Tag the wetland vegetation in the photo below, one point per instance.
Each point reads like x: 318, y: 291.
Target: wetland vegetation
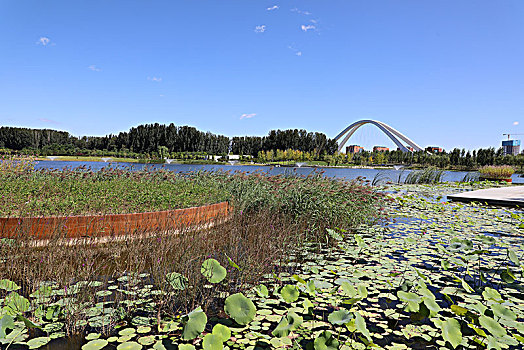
x: 303, y: 262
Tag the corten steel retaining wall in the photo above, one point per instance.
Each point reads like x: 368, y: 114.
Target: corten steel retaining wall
x: 111, y: 224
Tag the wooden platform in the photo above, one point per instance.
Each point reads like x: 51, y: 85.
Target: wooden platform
x: 505, y: 196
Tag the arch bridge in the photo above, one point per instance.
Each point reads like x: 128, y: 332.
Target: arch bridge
x: 393, y: 134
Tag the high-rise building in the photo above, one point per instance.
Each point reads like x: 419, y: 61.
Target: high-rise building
x: 511, y: 147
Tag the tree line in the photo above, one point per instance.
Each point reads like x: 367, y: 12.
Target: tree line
x: 159, y: 140
x: 455, y: 159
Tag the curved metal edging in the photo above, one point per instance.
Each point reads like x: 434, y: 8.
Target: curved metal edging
x: 111, y: 224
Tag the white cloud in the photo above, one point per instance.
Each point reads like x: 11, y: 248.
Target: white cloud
x: 260, y: 29
x: 50, y: 121
x: 295, y: 50
x: 300, y: 11
x: 155, y: 79
x: 94, y: 68
x: 273, y: 8
x: 515, y: 123
x: 247, y: 116
x: 308, y: 27
x: 43, y: 41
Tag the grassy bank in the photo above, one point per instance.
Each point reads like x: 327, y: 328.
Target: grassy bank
x: 81, y: 192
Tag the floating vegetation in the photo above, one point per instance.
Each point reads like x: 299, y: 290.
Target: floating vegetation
x: 442, y: 275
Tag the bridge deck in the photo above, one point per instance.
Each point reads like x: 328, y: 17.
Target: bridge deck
x: 506, y: 196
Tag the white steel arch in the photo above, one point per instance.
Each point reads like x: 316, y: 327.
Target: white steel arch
x: 393, y: 134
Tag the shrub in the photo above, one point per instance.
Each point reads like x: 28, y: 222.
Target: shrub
x: 496, y: 172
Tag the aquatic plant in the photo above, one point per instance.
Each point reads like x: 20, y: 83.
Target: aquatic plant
x: 425, y: 176
x: 496, y: 172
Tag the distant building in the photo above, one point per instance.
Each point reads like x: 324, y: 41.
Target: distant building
x: 434, y: 149
x: 408, y: 147
x: 380, y: 149
x: 354, y: 149
x: 511, y: 147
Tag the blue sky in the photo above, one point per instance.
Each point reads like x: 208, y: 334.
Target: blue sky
x: 446, y: 73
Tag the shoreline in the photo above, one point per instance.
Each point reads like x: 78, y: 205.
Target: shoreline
x: 138, y: 161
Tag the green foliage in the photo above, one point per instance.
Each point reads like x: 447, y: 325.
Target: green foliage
x: 212, y: 342
x: 110, y: 190
x: 496, y: 172
x: 451, y: 331
x: 95, y: 344
x: 289, y: 293
x: 213, y: 271
x: 287, y: 324
x: 240, y: 308
x: 425, y: 176
x: 326, y: 341
x: 8, y: 285
x: 340, y: 317
x: 222, y: 331
x: 176, y: 280
x: 194, y: 324
x: 6, y: 322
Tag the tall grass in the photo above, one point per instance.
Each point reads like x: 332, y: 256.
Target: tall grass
x: 81, y: 191
x: 259, y: 244
x: 272, y: 217
x: 320, y: 201
x: 496, y: 172
x: 13, y: 164
x: 425, y: 176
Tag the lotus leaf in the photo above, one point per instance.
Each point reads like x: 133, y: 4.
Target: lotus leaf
x: 289, y: 293
x: 288, y: 323
x: 326, y: 341
x: 147, y: 340
x: 213, y: 271
x: 491, y: 294
x: 129, y: 345
x: 16, y: 304
x: 92, y: 336
x: 95, y: 344
x: 459, y: 310
x: 262, y: 291
x: 194, y: 324
x: 507, y: 276
x: 451, y: 332
x: 223, y: 331
x: 6, y: 322
x: 176, y: 280
x: 127, y: 331
x: 240, y: 308
x: 8, y: 285
x: 360, y: 325
x: 340, y: 317
x: 184, y: 347
x: 492, y: 326
x: 412, y: 300
x: 511, y: 254
x: 212, y: 342
x: 233, y: 264
x: 503, y: 312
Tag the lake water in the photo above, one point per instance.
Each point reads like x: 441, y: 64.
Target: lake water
x: 347, y: 173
